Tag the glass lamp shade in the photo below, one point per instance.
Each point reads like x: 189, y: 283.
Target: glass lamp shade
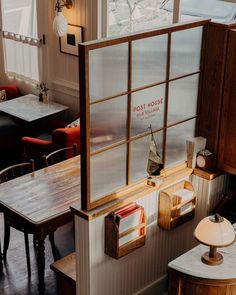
x: 60, y: 25
x: 214, y: 231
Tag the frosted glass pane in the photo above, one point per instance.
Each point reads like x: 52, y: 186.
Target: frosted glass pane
x: 108, y: 71
x: 182, y: 103
x: 176, y: 141
x: 185, y: 52
x: 147, y: 108
x: 108, y: 172
x: 108, y: 122
x: 149, y: 61
x: 139, y: 155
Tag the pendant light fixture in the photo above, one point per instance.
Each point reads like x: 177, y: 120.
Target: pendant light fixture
x: 60, y: 22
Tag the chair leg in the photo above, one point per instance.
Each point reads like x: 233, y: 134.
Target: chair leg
x: 27, y: 253
x: 6, y: 238
x: 34, y: 241
x: 1, y: 257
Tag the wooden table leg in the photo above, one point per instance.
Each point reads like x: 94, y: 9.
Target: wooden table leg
x: 1, y: 257
x: 40, y: 250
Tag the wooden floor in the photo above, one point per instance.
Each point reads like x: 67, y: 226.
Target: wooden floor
x: 14, y: 279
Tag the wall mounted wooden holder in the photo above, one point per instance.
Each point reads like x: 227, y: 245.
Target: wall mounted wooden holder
x: 171, y: 211
x: 112, y: 237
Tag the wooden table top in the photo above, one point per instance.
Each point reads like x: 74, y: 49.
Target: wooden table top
x: 44, y: 194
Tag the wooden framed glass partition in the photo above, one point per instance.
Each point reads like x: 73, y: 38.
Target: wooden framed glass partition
x: 126, y: 84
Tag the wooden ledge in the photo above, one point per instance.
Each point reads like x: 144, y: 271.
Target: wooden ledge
x: 134, y: 192
x: 209, y: 175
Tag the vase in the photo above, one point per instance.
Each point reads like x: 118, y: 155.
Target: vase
x: 45, y: 98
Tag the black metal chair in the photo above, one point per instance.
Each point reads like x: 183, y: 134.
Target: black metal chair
x: 60, y: 155
x: 7, y: 174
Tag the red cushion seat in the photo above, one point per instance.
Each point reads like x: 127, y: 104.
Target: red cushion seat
x: 35, y: 148
x: 12, y: 91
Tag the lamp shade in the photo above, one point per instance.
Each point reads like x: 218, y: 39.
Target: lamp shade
x: 215, y: 231
x: 60, y: 24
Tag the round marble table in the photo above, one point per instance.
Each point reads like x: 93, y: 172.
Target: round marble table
x: 189, y: 276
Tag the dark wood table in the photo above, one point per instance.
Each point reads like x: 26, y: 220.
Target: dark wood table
x: 40, y: 202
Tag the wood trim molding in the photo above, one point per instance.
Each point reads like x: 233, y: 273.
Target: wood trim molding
x: 66, y: 87
x: 209, y: 175
x: 133, y: 192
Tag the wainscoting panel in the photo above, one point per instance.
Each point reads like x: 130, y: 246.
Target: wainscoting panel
x: 144, y: 270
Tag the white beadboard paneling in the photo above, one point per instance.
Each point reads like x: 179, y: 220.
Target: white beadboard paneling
x: 82, y: 238
x: 141, y: 271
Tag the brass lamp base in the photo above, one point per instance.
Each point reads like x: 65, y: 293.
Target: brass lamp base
x: 68, y: 4
x: 212, y: 257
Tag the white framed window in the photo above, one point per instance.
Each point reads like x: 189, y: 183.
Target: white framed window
x: 20, y: 39
x: 126, y: 16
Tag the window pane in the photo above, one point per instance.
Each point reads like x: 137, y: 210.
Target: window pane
x: 185, y: 51
x: 108, y: 122
x: 147, y: 108
x: 140, y: 153
x: 21, y: 60
x: 182, y: 103
x: 108, y: 71
x: 19, y: 17
x: 149, y: 61
x: 218, y: 11
x: 129, y: 16
x: 108, y: 172
x: 176, y: 141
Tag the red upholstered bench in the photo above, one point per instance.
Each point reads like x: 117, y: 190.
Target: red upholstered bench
x: 12, y: 91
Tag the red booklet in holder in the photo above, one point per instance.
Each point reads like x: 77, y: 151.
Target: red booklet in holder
x: 127, y: 218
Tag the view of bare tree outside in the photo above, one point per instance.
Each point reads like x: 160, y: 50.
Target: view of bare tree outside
x: 125, y: 16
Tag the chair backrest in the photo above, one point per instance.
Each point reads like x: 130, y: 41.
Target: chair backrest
x: 60, y: 155
x: 16, y: 170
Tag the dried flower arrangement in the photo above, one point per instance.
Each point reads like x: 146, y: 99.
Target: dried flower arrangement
x: 42, y: 87
x: 43, y: 90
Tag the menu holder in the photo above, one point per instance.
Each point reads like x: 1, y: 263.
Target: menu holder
x: 176, y: 205
x: 125, y: 230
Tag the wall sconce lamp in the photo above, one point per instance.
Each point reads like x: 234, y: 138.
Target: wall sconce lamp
x: 214, y: 231
x: 60, y: 23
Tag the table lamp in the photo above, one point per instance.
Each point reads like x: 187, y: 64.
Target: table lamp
x: 214, y: 231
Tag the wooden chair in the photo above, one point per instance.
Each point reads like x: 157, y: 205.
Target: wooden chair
x: 7, y: 174
x: 60, y: 155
